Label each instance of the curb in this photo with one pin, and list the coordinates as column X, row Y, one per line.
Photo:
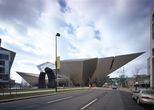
column 22, row 98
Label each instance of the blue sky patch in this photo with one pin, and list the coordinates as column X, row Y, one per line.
column 63, row 6
column 97, row 35
column 62, row 3
column 3, row 31
column 70, row 29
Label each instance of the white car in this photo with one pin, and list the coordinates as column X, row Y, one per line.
column 114, row 87
column 144, row 96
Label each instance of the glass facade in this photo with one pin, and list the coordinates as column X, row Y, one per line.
column 2, row 63
column 6, row 60
column 4, row 77
column 2, row 70
column 153, row 51
column 152, row 30
column 4, row 57
column 152, row 26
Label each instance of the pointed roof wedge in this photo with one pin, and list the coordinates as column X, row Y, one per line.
column 120, row 61
column 106, row 66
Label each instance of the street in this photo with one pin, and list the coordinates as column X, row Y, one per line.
column 91, row 99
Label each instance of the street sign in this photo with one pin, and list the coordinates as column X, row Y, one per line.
column 58, row 62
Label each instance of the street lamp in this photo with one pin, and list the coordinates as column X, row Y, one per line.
column 57, row 35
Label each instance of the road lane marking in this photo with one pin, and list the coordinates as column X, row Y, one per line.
column 88, row 104
column 59, row 99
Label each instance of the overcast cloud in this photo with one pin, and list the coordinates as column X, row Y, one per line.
column 88, row 28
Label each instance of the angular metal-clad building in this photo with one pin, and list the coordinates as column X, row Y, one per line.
column 81, row 71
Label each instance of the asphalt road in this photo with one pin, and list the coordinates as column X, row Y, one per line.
column 92, row 99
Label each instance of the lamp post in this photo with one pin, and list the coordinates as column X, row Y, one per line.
column 57, row 35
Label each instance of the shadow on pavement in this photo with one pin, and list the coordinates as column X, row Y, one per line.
column 148, row 107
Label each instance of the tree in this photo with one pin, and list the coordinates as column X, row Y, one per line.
column 123, row 80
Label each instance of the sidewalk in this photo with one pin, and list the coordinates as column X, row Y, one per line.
column 61, row 91
column 125, row 89
column 25, row 92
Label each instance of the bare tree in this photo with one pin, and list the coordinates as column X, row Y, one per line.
column 136, row 73
column 123, row 80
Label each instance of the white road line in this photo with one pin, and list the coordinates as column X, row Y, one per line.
column 59, row 99
column 88, row 104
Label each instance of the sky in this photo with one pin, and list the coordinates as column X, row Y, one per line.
column 88, row 29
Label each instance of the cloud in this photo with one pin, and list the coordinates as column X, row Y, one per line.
column 21, row 12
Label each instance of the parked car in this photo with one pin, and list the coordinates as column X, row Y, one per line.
column 144, row 96
column 114, row 86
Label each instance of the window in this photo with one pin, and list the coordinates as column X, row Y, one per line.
column 5, row 77
column 153, row 51
column 152, row 30
column 148, row 91
column 2, row 63
column 2, row 70
column 152, row 35
column 4, row 57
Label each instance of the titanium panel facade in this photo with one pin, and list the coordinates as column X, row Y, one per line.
column 89, row 67
column 119, row 61
column 73, row 70
column 103, row 68
column 31, row 78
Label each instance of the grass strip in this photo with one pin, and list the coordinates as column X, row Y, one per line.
column 39, row 93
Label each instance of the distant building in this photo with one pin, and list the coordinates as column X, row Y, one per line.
column 142, row 79
column 151, row 58
column 6, row 61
